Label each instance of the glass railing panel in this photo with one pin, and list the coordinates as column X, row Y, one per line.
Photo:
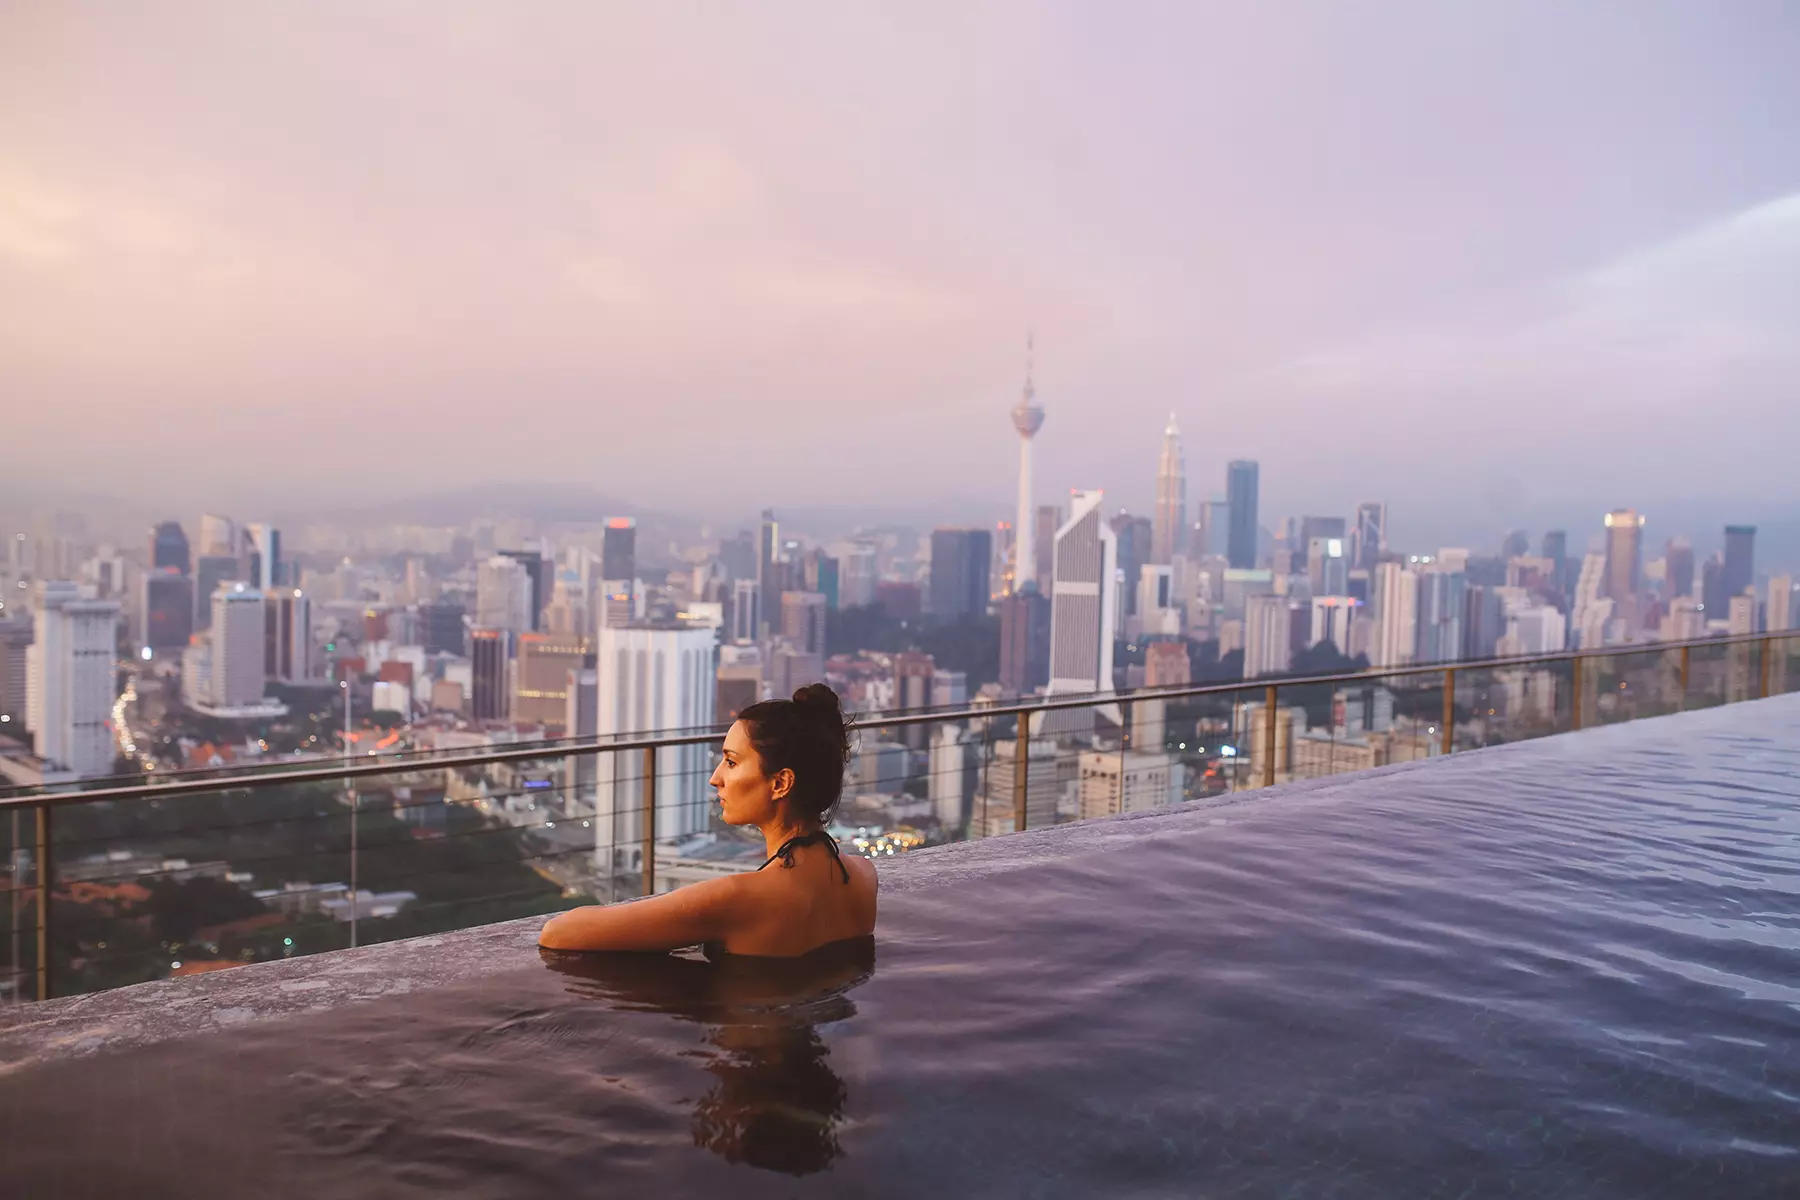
column 1784, row 663
column 1631, row 685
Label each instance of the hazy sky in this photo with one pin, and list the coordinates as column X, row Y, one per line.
column 709, row 257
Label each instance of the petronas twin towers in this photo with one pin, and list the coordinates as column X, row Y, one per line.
column 1170, row 517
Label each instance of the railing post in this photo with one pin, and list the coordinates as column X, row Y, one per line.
column 1448, row 744
column 1021, row 772
column 46, row 878
column 649, row 850
column 1767, row 645
column 1681, row 700
column 1269, row 737
column 1575, row 692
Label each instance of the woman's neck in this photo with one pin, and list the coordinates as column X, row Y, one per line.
column 778, row 833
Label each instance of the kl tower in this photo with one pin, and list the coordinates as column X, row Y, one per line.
column 1027, row 418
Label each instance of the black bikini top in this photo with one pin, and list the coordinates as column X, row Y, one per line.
column 786, row 853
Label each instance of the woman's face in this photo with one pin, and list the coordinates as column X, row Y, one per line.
column 745, row 794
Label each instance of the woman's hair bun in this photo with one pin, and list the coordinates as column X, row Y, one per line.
column 819, row 696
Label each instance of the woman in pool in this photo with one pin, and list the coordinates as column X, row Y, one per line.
column 782, row 771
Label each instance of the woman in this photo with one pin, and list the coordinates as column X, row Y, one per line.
column 782, row 771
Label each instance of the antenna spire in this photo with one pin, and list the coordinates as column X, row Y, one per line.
column 1030, row 346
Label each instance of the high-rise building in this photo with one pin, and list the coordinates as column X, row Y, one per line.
column 857, row 577
column 539, row 571
column 1624, row 554
column 219, row 538
column 1515, row 543
column 1320, row 527
column 1396, row 615
column 15, row 646
column 913, row 675
column 1132, row 536
column 1535, row 629
column 1740, row 559
column 69, row 682
column 1442, row 598
column 737, row 554
column 1082, row 613
column 239, row 647
column 546, row 663
column 1170, row 518
column 1678, row 568
column 1133, row 781
column 746, row 610
column 441, row 629
column 959, row 572
column 654, row 678
column 490, row 662
column 1713, row 596
column 168, row 609
column 169, row 549
column 1049, row 520
column 803, row 622
column 262, row 542
column 503, row 595
column 1327, row 566
column 618, row 549
column 1556, row 549
column 1741, row 614
column 1268, row 635
column 1024, row 641
column 1483, row 623
column 1332, row 617
column 768, row 551
column 1240, row 494
column 210, row 570
column 819, row 573
column 1369, row 539
column 287, row 636
column 1027, row 419
column 1778, row 610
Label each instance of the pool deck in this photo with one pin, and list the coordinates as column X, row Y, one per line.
column 148, row 1013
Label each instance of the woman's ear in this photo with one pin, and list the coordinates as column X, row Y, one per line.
column 781, row 783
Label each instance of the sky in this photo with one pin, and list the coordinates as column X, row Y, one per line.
column 1488, row 262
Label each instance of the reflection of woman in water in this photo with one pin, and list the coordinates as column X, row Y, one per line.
column 782, row 770
column 775, row 1103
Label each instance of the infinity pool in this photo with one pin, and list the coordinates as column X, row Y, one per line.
column 1563, row 968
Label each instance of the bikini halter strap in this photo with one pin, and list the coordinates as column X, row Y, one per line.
column 786, row 853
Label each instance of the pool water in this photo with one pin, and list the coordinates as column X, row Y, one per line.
column 1563, row 968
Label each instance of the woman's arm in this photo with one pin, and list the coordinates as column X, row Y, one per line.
column 700, row 912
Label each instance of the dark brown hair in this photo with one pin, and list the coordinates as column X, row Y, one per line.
column 809, row 736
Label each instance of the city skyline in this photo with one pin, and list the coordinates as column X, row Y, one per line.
column 1467, row 307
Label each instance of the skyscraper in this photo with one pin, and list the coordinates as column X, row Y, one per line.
column 538, row 570
column 819, row 573
column 441, row 629
column 856, row 577
column 1049, row 520
column 1133, row 535
column 1327, row 567
column 1778, row 611
column 1240, row 494
column 490, row 655
column 803, row 622
column 1396, row 615
column 168, row 609
column 1024, row 641
column 1442, row 599
column 503, row 595
column 1082, row 598
column 239, row 647
column 219, row 538
column 210, row 570
column 169, row 549
column 15, row 649
column 1268, row 635
column 263, row 542
column 1369, row 538
column 1027, row 419
column 746, row 610
column 959, row 572
column 1740, row 559
column 768, row 551
column 1169, row 521
column 287, row 636
column 1624, row 556
column 618, row 549
column 69, row 679
column 654, row 678
column 546, row 663
column 1556, row 549
column 1678, row 568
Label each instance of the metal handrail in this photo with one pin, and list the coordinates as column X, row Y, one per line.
column 547, row 750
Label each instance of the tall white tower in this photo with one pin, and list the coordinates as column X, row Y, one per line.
column 69, row 679
column 1027, row 418
column 1171, row 500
